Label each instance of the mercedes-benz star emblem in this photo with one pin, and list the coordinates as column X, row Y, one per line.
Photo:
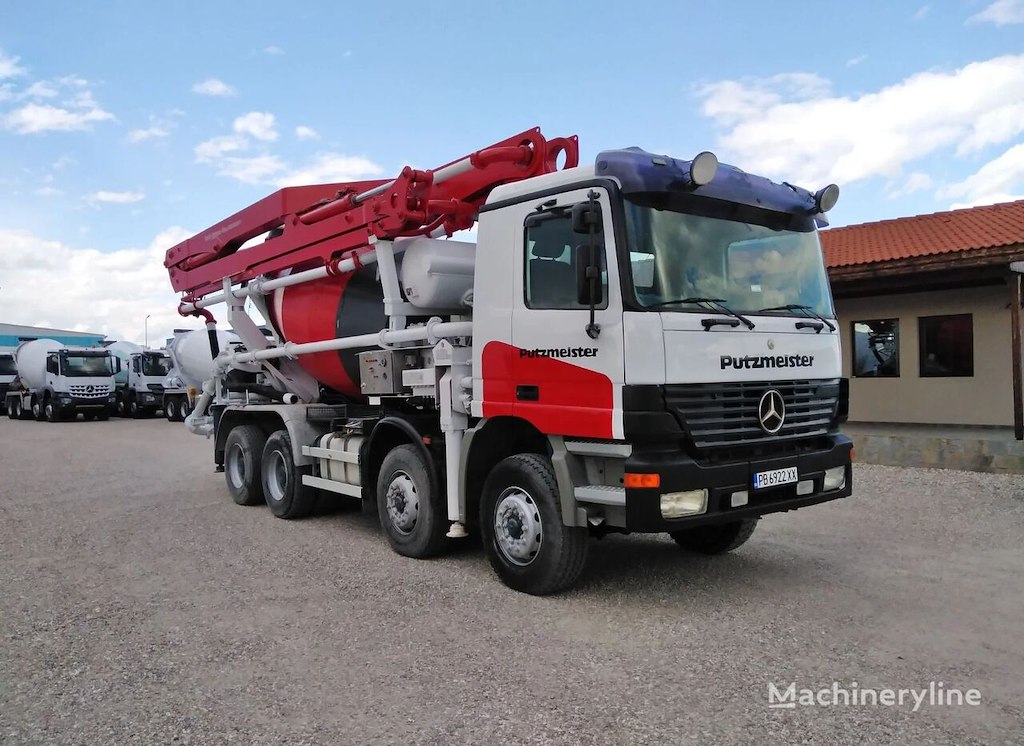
column 88, row 389
column 771, row 411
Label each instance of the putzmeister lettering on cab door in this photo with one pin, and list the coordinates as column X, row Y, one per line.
column 767, row 361
column 559, row 352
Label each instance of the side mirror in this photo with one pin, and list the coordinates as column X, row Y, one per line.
column 589, row 289
column 586, row 217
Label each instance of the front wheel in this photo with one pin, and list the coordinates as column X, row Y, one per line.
column 528, row 545
column 409, row 504
column 715, row 539
column 287, row 496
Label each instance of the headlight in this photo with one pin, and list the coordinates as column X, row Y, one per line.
column 835, row 478
column 679, row 504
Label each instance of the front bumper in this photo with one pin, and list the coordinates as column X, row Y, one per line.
column 82, row 403
column 679, row 472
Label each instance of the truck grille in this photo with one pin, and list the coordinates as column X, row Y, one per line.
column 90, row 391
column 717, row 415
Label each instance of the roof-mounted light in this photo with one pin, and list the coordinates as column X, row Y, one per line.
column 825, row 199
column 703, row 168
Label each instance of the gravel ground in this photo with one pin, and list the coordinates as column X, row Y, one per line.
column 140, row 605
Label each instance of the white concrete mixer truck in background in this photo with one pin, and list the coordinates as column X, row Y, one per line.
column 56, row 382
column 140, row 382
column 640, row 344
column 8, row 372
column 191, row 364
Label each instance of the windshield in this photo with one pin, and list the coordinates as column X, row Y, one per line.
column 7, row 366
column 82, row 366
column 751, row 267
column 155, row 365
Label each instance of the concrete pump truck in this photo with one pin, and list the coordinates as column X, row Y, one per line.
column 641, row 344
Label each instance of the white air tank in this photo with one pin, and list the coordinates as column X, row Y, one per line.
column 30, row 360
column 438, row 274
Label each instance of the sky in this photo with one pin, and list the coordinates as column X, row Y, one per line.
column 127, row 127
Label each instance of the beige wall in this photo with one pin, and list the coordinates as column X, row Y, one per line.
column 984, row 399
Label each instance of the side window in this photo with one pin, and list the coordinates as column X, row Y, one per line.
column 51, row 364
column 550, row 262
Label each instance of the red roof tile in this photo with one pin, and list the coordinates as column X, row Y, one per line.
column 969, row 229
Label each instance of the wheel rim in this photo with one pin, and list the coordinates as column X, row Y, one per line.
column 49, row 410
column 236, row 467
column 517, row 526
column 35, row 408
column 403, row 503
column 277, row 476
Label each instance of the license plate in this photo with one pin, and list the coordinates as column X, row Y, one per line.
column 775, row 477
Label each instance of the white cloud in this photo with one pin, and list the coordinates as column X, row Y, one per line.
column 150, row 133
column 273, row 50
column 106, row 292
column 999, row 180
column 1001, row 13
column 922, row 12
column 48, row 191
column 258, row 124
column 331, row 167
column 35, row 118
column 854, row 61
column 914, row 182
column 120, row 198
column 306, row 133
column 9, row 67
column 790, row 126
column 251, row 170
column 40, row 89
column 213, row 87
column 217, row 147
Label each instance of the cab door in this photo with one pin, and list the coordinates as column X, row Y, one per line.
column 567, row 374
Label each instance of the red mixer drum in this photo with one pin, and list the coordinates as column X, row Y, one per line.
column 344, row 306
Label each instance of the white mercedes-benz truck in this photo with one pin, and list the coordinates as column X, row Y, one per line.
column 639, row 344
column 57, row 382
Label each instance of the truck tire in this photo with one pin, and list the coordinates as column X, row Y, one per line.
column 121, row 407
column 13, row 411
column 717, row 539
column 527, row 544
column 286, row 495
column 171, row 410
column 410, row 506
column 37, row 410
column 243, row 451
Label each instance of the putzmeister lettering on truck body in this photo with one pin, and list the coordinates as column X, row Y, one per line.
column 767, row 361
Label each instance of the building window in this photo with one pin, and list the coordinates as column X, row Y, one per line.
column 947, row 345
column 876, row 348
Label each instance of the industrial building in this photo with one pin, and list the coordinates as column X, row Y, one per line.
column 11, row 335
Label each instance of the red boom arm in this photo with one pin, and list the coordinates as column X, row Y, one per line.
column 318, row 224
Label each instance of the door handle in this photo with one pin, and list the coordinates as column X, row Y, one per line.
column 528, row 393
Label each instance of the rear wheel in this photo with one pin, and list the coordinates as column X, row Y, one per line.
column 409, row 504
column 243, row 451
column 37, row 410
column 715, row 539
column 527, row 544
column 121, row 407
column 14, row 410
column 171, row 410
column 287, row 496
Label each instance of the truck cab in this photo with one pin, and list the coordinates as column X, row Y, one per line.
column 144, row 391
column 8, row 372
column 77, row 381
column 695, row 332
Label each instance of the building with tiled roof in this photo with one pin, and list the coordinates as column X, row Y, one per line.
column 928, row 306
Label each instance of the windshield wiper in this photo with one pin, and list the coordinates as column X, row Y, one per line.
column 808, row 311
column 717, row 305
